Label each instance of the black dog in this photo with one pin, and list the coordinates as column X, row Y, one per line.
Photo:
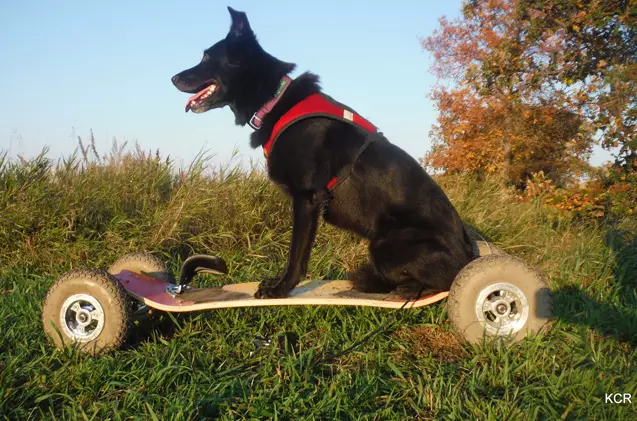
column 332, row 164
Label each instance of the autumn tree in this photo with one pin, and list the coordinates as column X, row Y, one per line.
column 528, row 86
column 598, row 61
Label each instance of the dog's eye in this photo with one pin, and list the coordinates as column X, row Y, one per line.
column 206, row 57
column 233, row 61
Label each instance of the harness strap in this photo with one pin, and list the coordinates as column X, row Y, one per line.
column 315, row 105
column 321, row 105
column 345, row 172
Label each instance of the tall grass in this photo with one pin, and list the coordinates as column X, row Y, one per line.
column 88, row 209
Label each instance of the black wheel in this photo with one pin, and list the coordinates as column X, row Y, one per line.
column 499, row 296
column 88, row 309
column 146, row 264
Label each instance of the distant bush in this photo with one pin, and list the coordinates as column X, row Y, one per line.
column 610, row 193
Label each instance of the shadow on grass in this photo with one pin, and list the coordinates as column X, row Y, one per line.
column 160, row 325
column 613, row 315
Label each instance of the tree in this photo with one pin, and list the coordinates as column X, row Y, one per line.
column 534, row 83
column 487, row 135
column 599, row 59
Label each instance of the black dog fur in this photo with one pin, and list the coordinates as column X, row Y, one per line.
column 417, row 240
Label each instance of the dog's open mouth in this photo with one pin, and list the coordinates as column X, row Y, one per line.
column 196, row 102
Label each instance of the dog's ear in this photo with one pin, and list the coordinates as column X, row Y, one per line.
column 240, row 25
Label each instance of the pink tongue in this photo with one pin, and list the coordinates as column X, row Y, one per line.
column 195, row 97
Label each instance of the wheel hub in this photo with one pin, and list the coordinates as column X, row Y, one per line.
column 502, row 309
column 82, row 317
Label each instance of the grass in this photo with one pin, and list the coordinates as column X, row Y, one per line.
column 88, row 210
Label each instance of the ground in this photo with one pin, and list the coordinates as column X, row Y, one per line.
column 199, row 366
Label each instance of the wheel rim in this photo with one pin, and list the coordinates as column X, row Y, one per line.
column 502, row 309
column 82, row 317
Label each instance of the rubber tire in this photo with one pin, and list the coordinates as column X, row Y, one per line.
column 142, row 262
column 492, row 269
column 484, row 248
column 150, row 266
column 107, row 291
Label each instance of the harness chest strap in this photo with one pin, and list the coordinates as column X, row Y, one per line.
column 318, row 105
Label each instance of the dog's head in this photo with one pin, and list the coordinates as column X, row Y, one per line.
column 231, row 72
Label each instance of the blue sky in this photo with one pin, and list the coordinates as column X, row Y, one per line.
column 71, row 66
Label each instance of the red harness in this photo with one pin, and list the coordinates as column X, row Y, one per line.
column 319, row 105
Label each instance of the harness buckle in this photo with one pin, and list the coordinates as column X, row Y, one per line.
column 255, row 122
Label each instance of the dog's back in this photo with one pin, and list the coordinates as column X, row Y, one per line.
column 416, row 236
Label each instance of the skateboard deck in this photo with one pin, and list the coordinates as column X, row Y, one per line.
column 153, row 292
column 312, row 292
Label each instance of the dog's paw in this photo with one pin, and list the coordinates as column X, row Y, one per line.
column 270, row 288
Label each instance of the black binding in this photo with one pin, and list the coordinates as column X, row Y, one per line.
column 201, row 263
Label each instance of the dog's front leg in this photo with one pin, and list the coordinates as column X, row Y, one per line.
column 305, row 221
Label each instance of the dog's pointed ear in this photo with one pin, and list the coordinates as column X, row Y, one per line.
column 240, row 25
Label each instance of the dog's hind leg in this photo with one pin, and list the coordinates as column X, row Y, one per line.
column 368, row 279
column 415, row 266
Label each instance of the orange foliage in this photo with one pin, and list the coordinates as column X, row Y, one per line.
column 612, row 192
column 486, row 135
column 530, row 94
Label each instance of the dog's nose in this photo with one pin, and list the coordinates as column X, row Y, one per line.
column 175, row 79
